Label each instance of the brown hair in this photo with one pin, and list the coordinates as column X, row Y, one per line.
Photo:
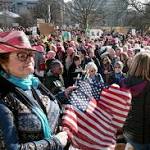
column 106, row 57
column 140, row 66
column 76, row 58
column 124, row 56
column 4, row 58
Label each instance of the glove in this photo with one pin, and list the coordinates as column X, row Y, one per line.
column 62, row 137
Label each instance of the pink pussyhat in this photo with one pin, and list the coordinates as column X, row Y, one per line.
column 50, row 55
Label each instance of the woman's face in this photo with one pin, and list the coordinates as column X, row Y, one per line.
column 123, row 59
column 118, row 51
column 78, row 62
column 117, row 68
column 92, row 72
column 20, row 64
column 58, row 69
column 105, row 60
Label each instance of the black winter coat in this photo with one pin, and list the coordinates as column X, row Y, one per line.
column 137, row 126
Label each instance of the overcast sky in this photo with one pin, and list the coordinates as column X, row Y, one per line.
column 138, row 0
column 143, row 0
column 66, row 0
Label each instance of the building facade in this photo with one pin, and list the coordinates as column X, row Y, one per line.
column 24, row 6
column 6, row 5
column 17, row 6
column 21, row 6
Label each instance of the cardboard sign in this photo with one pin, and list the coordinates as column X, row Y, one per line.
column 46, row 29
column 119, row 29
column 123, row 30
column 40, row 21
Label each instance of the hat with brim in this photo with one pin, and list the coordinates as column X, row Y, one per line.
column 39, row 48
column 14, row 41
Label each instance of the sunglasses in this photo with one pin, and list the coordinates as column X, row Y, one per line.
column 23, row 56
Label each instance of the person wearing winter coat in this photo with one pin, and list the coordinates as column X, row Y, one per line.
column 29, row 113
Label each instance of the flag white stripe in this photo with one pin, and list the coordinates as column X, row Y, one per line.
column 114, row 109
column 91, row 121
column 99, row 120
column 113, row 96
column 96, row 127
column 71, row 121
column 120, row 92
column 113, row 102
column 92, row 146
column 100, row 112
column 108, row 115
column 117, row 123
column 93, row 139
column 94, row 131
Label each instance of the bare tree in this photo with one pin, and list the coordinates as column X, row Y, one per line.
column 138, row 5
column 86, row 12
column 26, row 19
column 48, row 10
column 141, row 17
column 41, row 10
column 115, row 12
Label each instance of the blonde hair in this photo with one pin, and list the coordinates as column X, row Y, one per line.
column 140, row 66
column 91, row 65
column 119, row 63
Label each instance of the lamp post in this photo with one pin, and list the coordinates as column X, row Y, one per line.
column 49, row 13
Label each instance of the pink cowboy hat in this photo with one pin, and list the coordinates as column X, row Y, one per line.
column 14, row 41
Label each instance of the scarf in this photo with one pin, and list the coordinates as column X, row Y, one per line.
column 26, row 84
column 23, row 83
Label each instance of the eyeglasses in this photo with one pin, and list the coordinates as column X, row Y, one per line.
column 23, row 56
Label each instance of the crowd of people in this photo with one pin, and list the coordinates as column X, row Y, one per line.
column 37, row 74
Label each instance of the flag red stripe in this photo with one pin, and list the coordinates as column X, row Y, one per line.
column 95, row 129
column 88, row 120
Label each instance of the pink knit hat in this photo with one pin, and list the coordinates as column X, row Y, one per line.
column 50, row 55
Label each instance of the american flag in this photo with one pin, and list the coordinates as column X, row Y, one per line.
column 92, row 121
column 87, row 89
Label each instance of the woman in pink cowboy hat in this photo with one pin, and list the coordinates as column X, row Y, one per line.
column 29, row 113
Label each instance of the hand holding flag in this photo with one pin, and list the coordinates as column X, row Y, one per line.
column 92, row 123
